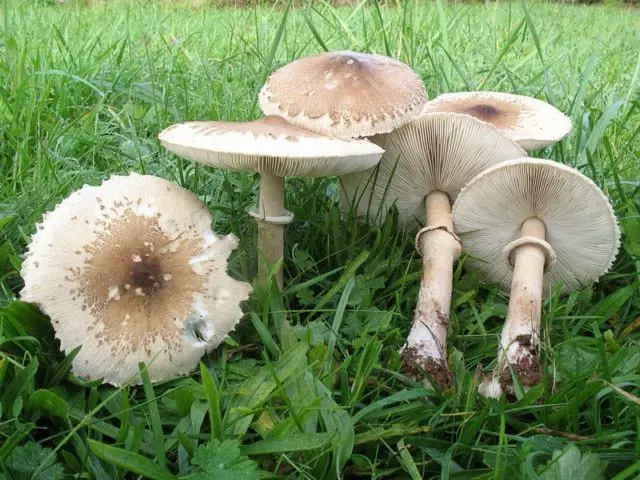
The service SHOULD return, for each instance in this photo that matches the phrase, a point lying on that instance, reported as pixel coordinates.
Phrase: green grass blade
(298, 442)
(272, 51)
(130, 461)
(337, 321)
(154, 416)
(213, 398)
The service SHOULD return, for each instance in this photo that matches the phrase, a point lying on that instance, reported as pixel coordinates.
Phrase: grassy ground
(308, 384)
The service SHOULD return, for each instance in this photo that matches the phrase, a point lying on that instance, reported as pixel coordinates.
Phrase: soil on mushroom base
(527, 368)
(416, 366)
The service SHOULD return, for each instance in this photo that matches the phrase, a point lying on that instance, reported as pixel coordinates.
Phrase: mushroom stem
(521, 332)
(425, 350)
(270, 234)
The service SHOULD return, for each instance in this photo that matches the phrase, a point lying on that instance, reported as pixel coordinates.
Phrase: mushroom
(344, 94)
(131, 271)
(275, 149)
(532, 224)
(425, 164)
(530, 122)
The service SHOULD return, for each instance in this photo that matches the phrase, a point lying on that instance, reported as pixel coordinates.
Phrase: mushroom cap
(131, 271)
(581, 226)
(344, 94)
(269, 145)
(437, 151)
(530, 122)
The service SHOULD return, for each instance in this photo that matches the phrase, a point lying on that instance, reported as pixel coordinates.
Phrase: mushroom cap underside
(438, 151)
(580, 223)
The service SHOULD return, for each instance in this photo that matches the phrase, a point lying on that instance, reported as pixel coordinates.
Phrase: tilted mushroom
(132, 272)
(344, 94)
(425, 165)
(275, 149)
(530, 224)
(530, 122)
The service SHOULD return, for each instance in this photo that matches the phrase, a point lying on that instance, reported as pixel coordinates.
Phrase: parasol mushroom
(344, 94)
(530, 122)
(132, 272)
(275, 149)
(531, 224)
(425, 165)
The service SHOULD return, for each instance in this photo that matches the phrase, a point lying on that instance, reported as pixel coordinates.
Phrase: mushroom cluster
(132, 272)
(467, 149)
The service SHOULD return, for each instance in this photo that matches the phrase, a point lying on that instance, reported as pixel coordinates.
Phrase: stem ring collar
(549, 253)
(278, 220)
(431, 228)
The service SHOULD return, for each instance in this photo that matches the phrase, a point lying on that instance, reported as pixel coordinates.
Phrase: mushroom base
(415, 365)
(523, 361)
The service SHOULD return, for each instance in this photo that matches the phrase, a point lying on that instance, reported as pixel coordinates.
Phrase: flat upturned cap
(132, 272)
(437, 151)
(530, 122)
(344, 94)
(269, 145)
(581, 226)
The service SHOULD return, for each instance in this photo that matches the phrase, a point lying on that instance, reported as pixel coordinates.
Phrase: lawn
(308, 386)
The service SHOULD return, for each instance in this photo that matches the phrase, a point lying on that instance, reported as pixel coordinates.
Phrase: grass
(308, 385)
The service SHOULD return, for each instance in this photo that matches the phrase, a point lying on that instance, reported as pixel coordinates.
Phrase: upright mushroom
(531, 224)
(275, 149)
(530, 122)
(344, 94)
(425, 165)
(132, 272)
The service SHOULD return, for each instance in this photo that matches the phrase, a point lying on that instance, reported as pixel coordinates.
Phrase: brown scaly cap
(269, 145)
(132, 272)
(530, 122)
(344, 94)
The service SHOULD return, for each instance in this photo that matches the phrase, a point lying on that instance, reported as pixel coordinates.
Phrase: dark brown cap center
(147, 274)
(484, 112)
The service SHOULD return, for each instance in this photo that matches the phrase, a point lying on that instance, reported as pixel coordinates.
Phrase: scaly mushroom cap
(438, 151)
(344, 94)
(530, 122)
(581, 226)
(269, 145)
(132, 272)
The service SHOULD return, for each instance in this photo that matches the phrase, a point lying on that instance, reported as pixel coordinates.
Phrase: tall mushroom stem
(270, 232)
(425, 350)
(521, 332)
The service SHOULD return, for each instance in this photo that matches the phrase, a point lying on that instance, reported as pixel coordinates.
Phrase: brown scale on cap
(134, 276)
(360, 94)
